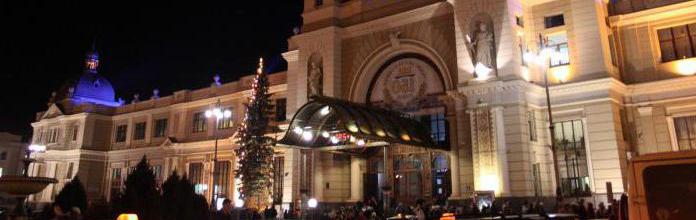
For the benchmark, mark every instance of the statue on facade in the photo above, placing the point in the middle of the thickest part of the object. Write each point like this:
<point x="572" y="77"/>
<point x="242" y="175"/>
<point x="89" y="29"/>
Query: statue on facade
<point x="483" y="46"/>
<point x="315" y="78"/>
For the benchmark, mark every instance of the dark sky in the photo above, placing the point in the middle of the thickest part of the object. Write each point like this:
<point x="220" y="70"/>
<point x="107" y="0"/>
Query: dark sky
<point x="143" y="45"/>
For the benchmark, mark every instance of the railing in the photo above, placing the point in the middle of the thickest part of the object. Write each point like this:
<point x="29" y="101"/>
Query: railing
<point x="619" y="7"/>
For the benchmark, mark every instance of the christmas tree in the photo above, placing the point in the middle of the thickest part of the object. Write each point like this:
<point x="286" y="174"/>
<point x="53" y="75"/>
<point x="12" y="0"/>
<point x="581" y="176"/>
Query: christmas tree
<point x="255" y="150"/>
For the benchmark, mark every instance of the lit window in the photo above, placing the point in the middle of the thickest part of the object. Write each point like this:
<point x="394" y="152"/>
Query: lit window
<point x="559" y="44"/>
<point x="199" y="122"/>
<point x="139" y="131"/>
<point x="572" y="158"/>
<point x="121" y="133"/>
<point x="223" y="181"/>
<point x="195" y="174"/>
<point x="677" y="42"/>
<point x="554" y="21"/>
<point x="225" y="122"/>
<point x="685" y="128"/>
<point x="160" y="127"/>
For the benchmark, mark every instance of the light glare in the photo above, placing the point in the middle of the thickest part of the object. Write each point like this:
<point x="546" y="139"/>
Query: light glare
<point x="37" y="148"/>
<point x="312" y="203"/>
<point x="307" y="136"/>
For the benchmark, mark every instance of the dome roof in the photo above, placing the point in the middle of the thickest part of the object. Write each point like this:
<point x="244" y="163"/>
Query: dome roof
<point x="92" y="87"/>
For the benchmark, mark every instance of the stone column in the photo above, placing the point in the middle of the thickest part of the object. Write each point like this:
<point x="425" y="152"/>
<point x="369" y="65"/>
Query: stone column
<point x="501" y="150"/>
<point x="454" y="172"/>
<point x="317" y="176"/>
<point x="356" y="178"/>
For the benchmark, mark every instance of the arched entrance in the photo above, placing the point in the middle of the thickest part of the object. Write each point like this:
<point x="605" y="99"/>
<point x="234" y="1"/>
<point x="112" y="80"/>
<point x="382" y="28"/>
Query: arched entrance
<point x="412" y="84"/>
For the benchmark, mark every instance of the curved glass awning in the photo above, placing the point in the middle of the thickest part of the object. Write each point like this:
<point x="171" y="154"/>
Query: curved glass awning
<point x="334" y="124"/>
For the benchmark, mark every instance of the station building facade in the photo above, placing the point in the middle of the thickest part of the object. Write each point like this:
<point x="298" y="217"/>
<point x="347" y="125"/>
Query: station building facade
<point x="621" y="77"/>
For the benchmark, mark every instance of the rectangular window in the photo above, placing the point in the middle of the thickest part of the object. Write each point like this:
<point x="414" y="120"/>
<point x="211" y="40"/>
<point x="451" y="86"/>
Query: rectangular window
<point x="280" y="110"/>
<point x="199" y="122"/>
<point x="225" y="122"/>
<point x="3" y="155"/>
<point x="318" y="3"/>
<point x="536" y="174"/>
<point x="223" y="181"/>
<point x="278" y="176"/>
<point x="531" y="123"/>
<point x="519" y="20"/>
<point x="160" y="127"/>
<point x="677" y="42"/>
<point x="53" y="136"/>
<point x="69" y="173"/>
<point x="437" y="124"/>
<point x="559" y="43"/>
<point x="115" y="181"/>
<point x="612" y="51"/>
<point x="139" y="133"/>
<point x="195" y="174"/>
<point x="121" y="133"/>
<point x="554" y="21"/>
<point x="572" y="158"/>
<point x="685" y="129"/>
<point x="157" y="171"/>
<point x="74" y="132"/>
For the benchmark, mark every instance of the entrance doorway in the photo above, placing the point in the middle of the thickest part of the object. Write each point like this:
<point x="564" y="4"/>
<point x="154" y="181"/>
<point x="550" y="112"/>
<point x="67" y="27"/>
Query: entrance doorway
<point x="415" y="174"/>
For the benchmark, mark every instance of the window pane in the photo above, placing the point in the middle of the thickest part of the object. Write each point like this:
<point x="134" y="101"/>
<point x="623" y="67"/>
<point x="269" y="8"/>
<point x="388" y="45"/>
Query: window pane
<point x="682" y="42"/>
<point x="199" y="122"/>
<point x="554" y="21"/>
<point x="572" y="158"/>
<point x="139" y="131"/>
<point x="161" y="127"/>
<point x="692" y="32"/>
<point x="666" y="44"/>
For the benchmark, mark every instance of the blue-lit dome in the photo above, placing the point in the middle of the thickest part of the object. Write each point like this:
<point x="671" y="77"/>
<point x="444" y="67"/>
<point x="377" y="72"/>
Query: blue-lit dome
<point x="92" y="87"/>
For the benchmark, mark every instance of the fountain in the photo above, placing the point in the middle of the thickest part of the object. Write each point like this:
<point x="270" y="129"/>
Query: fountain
<point x="23" y="186"/>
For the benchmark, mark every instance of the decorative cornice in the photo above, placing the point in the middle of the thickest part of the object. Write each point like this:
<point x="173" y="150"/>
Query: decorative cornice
<point x="401" y="19"/>
<point x="493" y="87"/>
<point x="678" y="10"/>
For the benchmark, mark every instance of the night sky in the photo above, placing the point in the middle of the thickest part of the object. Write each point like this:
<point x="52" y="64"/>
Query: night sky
<point x="143" y="45"/>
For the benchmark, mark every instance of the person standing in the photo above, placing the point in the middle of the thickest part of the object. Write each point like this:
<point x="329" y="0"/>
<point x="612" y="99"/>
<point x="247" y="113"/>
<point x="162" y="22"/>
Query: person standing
<point x="226" y="212"/>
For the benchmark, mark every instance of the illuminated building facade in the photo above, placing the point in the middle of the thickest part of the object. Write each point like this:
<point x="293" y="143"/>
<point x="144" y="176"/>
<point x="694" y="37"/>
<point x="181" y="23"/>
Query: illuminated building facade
<point x="621" y="84"/>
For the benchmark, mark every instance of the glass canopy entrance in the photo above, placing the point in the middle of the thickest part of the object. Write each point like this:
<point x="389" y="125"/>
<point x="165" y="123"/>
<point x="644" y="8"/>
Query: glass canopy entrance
<point x="416" y="167"/>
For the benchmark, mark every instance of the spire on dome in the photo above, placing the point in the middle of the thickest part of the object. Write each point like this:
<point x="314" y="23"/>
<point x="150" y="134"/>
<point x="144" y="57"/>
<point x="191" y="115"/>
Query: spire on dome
<point x="92" y="59"/>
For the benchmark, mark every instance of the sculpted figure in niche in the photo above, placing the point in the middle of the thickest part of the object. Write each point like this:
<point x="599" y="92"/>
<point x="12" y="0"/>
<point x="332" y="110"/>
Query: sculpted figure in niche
<point x="483" y="45"/>
<point x="315" y="78"/>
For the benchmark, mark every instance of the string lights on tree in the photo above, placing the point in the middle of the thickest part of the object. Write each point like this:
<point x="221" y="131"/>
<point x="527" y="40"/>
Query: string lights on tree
<point x="255" y="150"/>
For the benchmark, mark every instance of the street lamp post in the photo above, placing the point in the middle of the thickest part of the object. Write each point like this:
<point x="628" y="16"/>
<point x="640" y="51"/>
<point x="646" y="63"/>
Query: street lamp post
<point x="542" y="57"/>
<point x="219" y="114"/>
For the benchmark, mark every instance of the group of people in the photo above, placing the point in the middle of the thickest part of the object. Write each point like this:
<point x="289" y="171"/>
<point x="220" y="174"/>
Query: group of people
<point x="371" y="209"/>
<point x="587" y="210"/>
<point x="228" y="212"/>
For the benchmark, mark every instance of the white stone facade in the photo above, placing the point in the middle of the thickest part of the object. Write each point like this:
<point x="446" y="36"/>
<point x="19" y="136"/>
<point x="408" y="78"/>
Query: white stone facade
<point x="623" y="98"/>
